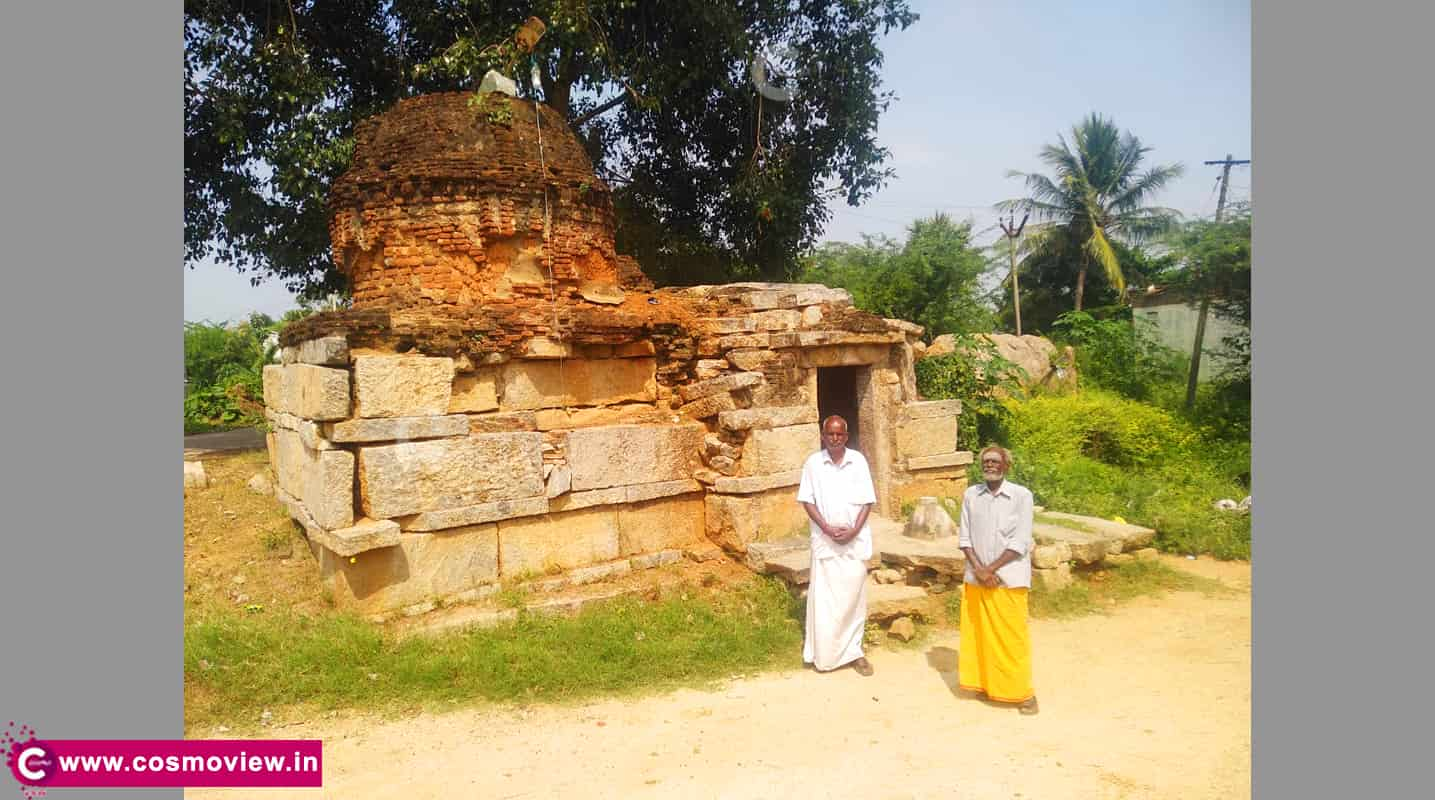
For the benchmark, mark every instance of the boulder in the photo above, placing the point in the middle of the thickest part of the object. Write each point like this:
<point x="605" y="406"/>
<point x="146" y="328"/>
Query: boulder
<point x="194" y="477"/>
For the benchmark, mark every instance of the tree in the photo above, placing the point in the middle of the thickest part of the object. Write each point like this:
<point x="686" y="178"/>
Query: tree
<point x="1048" y="284"/>
<point x="930" y="279"/>
<point x="223" y="372"/>
<point x="659" y="92"/>
<point x="1097" y="198"/>
<point x="1215" y="260"/>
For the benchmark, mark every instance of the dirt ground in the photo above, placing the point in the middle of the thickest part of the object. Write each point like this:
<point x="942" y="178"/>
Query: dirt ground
<point x="1152" y="700"/>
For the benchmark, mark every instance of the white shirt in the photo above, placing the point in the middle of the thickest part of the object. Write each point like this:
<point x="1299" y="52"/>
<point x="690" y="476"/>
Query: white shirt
<point x="839" y="491"/>
<point x="996" y="521"/>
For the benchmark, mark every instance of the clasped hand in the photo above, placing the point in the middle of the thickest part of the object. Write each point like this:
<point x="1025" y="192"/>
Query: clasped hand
<point x="841" y="534"/>
<point x="987" y="576"/>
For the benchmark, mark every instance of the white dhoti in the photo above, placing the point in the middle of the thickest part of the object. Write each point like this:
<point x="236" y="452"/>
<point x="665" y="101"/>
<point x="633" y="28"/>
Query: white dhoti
<point x="836" y="611"/>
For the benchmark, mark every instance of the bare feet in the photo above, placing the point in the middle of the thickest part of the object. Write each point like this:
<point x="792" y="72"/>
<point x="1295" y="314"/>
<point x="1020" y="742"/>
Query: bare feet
<point x="863" y="667"/>
<point x="1028" y="707"/>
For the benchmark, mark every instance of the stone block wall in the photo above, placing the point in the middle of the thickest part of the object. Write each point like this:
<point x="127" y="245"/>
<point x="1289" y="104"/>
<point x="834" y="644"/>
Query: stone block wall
<point x="426" y="463"/>
<point x="417" y="481"/>
<point x="929" y="461"/>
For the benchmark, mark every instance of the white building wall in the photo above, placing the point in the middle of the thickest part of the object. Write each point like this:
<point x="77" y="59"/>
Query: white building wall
<point x="1176" y="329"/>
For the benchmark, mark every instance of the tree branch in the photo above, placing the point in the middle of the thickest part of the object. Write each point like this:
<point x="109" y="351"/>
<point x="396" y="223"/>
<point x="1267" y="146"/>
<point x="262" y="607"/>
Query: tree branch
<point x="600" y="110"/>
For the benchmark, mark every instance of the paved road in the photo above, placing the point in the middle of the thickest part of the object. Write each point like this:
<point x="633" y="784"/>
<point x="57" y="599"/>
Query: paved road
<point x="224" y="441"/>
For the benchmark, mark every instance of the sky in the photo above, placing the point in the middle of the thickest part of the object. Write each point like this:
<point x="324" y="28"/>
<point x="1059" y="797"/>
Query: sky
<point x="981" y="86"/>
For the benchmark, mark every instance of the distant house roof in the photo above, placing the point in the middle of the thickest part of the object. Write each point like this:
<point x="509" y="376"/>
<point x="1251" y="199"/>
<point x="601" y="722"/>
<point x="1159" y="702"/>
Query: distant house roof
<point x="1155" y="295"/>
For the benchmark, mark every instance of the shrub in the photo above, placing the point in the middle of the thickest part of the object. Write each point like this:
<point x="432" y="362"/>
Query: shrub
<point x="1099" y="425"/>
<point x="1099" y="454"/>
<point x="1112" y="354"/>
<point x="977" y="375"/>
<point x="224" y="369"/>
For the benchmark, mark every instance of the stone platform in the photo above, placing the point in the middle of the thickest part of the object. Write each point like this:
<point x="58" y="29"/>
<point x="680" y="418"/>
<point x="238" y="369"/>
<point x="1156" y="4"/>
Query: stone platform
<point x="1062" y="540"/>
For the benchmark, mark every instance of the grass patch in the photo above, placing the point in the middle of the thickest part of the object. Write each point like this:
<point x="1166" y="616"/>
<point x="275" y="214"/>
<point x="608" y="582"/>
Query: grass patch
<point x="1093" y="592"/>
<point x="953" y="506"/>
<point x="1062" y="522"/>
<point x="237" y="665"/>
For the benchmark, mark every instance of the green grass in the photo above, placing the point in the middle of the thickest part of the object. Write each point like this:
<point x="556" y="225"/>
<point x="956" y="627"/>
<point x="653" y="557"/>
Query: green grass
<point x="953" y="506"/>
<point x="1062" y="522"/>
<point x="1090" y="594"/>
<point x="237" y="665"/>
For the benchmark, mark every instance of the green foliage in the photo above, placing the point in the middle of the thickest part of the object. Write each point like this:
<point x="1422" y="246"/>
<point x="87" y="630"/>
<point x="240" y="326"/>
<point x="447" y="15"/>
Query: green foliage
<point x="1216" y="262"/>
<point x="1097" y="198"/>
<point x="953" y="506"/>
<point x="1100" y="426"/>
<point x="1114" y="354"/>
<point x="1098" y="454"/>
<point x="931" y="279"/>
<point x="224" y="371"/>
<point x="244" y="663"/>
<point x="1048" y="283"/>
<point x="710" y="182"/>
<point x="952" y="604"/>
<point x="976" y="374"/>
<point x="496" y="108"/>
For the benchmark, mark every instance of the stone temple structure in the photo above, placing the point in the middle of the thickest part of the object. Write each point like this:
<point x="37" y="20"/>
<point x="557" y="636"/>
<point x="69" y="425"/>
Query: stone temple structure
<point x="508" y="397"/>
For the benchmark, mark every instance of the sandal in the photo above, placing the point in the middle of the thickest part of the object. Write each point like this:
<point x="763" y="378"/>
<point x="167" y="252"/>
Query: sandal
<point x="863" y="667"/>
<point x="1028" y="707"/>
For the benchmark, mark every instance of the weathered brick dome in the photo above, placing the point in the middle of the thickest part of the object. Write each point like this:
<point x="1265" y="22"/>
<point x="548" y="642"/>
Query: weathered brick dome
<point x="444" y="205"/>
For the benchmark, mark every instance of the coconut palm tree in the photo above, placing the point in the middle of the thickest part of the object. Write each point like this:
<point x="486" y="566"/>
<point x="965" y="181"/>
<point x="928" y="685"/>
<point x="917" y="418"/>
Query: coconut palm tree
<point x="1097" y="193"/>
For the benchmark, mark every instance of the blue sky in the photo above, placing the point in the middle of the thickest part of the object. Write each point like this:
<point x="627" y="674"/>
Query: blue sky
<point x="981" y="86"/>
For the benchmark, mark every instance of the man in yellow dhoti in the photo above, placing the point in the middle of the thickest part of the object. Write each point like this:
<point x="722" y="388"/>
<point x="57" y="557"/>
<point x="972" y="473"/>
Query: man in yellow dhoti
<point x="994" y="656"/>
<point x="836" y="491"/>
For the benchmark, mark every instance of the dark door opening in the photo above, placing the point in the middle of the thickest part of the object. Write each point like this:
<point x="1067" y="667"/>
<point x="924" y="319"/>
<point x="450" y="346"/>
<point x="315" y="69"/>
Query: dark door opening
<point x="837" y="394"/>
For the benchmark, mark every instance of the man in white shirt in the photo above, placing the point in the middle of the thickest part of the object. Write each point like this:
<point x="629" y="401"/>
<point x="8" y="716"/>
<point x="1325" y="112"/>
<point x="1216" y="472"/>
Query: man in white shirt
<point x="994" y="656"/>
<point x="837" y="493"/>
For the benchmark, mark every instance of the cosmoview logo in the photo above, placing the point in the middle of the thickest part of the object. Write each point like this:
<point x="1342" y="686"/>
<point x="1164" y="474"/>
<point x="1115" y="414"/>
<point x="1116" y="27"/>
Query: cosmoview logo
<point x="31" y="761"/>
<point x="35" y="763"/>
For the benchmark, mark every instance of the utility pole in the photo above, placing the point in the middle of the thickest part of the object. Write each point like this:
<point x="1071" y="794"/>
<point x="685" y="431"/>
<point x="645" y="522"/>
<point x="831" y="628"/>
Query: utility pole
<point x="1013" y="231"/>
<point x="1226" y="163"/>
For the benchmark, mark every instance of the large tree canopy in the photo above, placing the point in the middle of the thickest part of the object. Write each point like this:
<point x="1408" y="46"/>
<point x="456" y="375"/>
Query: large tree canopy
<point x="711" y="181"/>
<point x="931" y="279"/>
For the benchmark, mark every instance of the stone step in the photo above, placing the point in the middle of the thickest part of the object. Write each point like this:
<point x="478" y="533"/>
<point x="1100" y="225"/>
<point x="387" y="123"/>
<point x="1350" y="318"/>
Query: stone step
<point x="1085" y="548"/>
<point x="943" y="556"/>
<point x="793" y="567"/>
<point x="1131" y="537"/>
<point x="487" y="615"/>
<point x="791" y="559"/>
<point x="759" y="553"/>
<point x="887" y="601"/>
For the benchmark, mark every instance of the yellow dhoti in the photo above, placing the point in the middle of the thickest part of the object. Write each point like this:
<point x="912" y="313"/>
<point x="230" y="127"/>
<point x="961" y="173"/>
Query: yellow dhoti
<point x="994" y="655"/>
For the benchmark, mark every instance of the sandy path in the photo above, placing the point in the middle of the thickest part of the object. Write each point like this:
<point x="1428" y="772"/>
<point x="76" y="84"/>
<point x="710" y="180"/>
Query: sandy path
<point x="1151" y="701"/>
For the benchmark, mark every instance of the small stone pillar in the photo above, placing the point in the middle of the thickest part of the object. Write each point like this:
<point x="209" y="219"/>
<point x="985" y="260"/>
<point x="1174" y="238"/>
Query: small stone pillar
<point x="930" y="521"/>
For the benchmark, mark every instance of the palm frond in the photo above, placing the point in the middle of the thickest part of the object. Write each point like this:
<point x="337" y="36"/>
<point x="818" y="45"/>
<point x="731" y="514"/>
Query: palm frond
<point x="1149" y="183"/>
<point x="1062" y="158"/>
<point x="1100" y="250"/>
<point x="1145" y="224"/>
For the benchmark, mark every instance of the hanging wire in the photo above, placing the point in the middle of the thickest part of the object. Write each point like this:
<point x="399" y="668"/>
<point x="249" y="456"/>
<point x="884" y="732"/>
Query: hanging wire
<point x="547" y="245"/>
